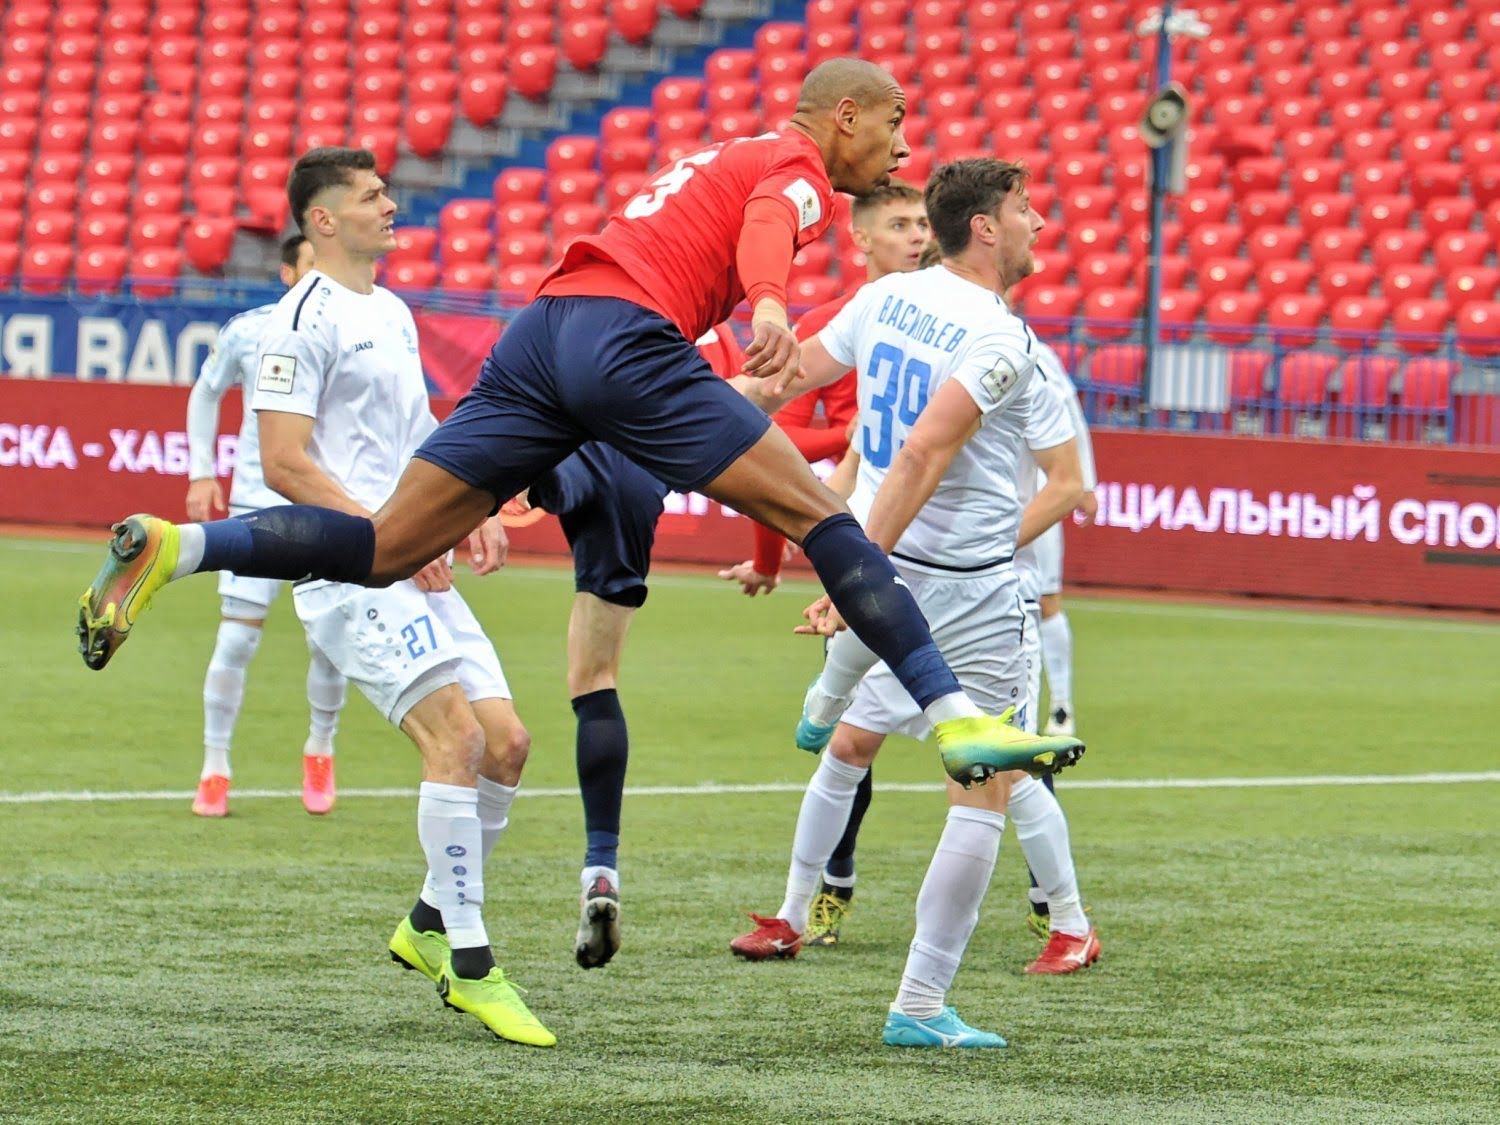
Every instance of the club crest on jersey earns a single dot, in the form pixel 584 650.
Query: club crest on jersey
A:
pixel 1000 380
pixel 804 197
pixel 277 372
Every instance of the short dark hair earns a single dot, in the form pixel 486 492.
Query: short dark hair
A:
pixel 958 191
pixel 897 191
pixel 290 249
pixel 321 168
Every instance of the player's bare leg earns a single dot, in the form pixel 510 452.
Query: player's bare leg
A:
pixel 430 512
pixel 597 630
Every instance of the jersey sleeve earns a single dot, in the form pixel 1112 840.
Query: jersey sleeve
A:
pixel 797 184
pixel 839 336
pixel 997 367
pixel 291 367
pixel 220 370
pixel 1049 422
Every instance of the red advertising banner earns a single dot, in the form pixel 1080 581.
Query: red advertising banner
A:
pixel 1406 524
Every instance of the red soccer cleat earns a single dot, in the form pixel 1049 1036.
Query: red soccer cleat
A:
pixel 317 783
pixel 213 796
pixel 1066 954
pixel 772 937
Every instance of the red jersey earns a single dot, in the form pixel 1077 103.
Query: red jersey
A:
pixel 722 351
pixel 676 241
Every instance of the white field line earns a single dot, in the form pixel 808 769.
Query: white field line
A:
pixel 714 789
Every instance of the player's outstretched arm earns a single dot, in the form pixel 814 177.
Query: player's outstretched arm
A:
pixel 1062 493
pixel 950 419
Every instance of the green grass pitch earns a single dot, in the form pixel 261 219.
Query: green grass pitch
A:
pixel 1276 953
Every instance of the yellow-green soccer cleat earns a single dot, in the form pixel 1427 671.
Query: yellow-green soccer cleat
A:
pixel 828 913
pixel 495 1003
pixel 975 749
pixel 1039 922
pixel 422 952
pixel 141 558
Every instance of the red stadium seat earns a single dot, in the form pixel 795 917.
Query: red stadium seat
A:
pixel 677 94
pixel 45 268
pixel 1446 214
pixel 1119 368
pixel 625 122
pixel 102 230
pixel 574 187
pixel 573 153
pixel 1454 249
pixel 1409 281
pixel 1112 311
pixel 1232 315
pixel 1358 321
pixel 1050 302
pixel 1473 283
pixel 1336 244
pixel 1277 277
pixel 584 43
pixel 574 220
pixel 1179 311
pixel 100 269
pixel 1309 143
pixel 633 20
pixel 527 248
pixel 1345 279
pixel 520 185
pixel 533 71
pixel 1269 243
pixel 465 215
pixel 1478 328
pixel 1420 324
pixel 207 242
pixel 1264 209
pixel 1291 311
pixel 155 263
pixel 1436 180
pixel 428 127
pixel 626 156
pixel 465 246
pixel 413 244
pixel 411 275
pixel 1398 247
pixel 1104 271
pixel 468 276
pixel 1223 275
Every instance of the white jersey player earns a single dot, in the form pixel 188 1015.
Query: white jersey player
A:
pixel 245 602
pixel 342 405
pixel 1054 634
pixel 950 397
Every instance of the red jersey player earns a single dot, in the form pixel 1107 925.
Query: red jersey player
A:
pixel 890 227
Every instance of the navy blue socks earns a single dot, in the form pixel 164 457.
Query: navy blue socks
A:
pixel 878 607
pixel 291 542
pixel 603 750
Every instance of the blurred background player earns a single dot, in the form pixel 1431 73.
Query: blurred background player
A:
pixel 1055 632
pixel 890 227
pixel 608 507
pixel 949 396
pixel 342 404
pixel 246 601
pixel 1032 567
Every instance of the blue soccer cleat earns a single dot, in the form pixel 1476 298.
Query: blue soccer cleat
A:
pixel 820 716
pixel 944 1030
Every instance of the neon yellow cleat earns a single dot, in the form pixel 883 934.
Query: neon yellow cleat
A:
pixel 424 952
pixel 141 558
pixel 975 749
pixel 828 913
pixel 495 1002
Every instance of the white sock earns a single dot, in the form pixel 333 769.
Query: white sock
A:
pixel 448 827
pixel 589 874
pixel 843 882
pixel 844 665
pixel 820 823
pixel 493 808
pixel 224 692
pixel 494 811
pixel 1042 830
pixel 954 705
pixel 190 540
pixel 326 692
pixel 1057 659
pixel 948 908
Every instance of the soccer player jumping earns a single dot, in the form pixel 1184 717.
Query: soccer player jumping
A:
pixel 605 352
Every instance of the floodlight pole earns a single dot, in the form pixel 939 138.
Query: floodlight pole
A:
pixel 1165 24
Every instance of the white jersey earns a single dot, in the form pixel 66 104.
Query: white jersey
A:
pixel 1050 367
pixel 231 362
pixel 349 361
pixel 908 334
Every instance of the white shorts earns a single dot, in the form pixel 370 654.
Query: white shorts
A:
pixel 979 626
pixel 1032 647
pixel 390 643
pixel 1049 560
pixel 242 597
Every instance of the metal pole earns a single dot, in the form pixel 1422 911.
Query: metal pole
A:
pixel 1161 164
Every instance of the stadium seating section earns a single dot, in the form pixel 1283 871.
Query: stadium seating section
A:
pixel 1343 180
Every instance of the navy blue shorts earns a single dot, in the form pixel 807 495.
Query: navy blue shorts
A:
pixel 569 370
pixel 608 507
